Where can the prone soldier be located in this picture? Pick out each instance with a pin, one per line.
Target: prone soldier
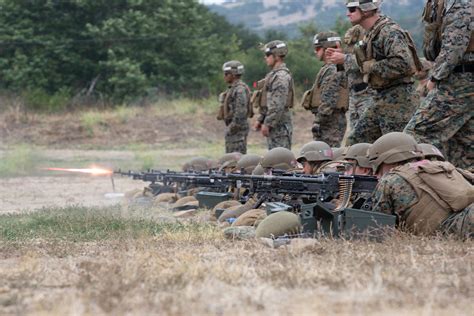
(427, 196)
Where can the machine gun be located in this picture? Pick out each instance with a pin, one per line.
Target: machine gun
(321, 201)
(324, 187)
(173, 181)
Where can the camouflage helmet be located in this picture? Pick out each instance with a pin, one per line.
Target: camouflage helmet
(354, 35)
(277, 47)
(258, 171)
(430, 151)
(279, 158)
(315, 151)
(391, 148)
(234, 67)
(229, 160)
(248, 163)
(326, 39)
(338, 152)
(364, 5)
(199, 164)
(358, 152)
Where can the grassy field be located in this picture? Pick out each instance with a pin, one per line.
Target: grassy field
(118, 261)
(82, 259)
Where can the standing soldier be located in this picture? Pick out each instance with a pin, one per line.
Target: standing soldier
(328, 99)
(360, 96)
(444, 119)
(276, 98)
(235, 108)
(387, 59)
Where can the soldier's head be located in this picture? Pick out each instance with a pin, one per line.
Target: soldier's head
(431, 152)
(324, 40)
(229, 161)
(275, 52)
(391, 150)
(357, 156)
(200, 164)
(359, 10)
(232, 70)
(247, 163)
(278, 158)
(313, 154)
(352, 36)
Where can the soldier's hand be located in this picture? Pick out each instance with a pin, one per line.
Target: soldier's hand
(430, 85)
(265, 130)
(257, 126)
(335, 56)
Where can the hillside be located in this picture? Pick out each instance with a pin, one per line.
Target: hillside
(286, 16)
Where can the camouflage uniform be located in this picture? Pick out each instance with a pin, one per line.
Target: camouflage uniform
(360, 95)
(394, 195)
(445, 118)
(388, 70)
(237, 126)
(276, 114)
(329, 121)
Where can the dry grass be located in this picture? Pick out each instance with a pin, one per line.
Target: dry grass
(194, 270)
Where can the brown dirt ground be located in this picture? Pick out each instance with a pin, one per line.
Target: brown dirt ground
(62, 134)
(144, 127)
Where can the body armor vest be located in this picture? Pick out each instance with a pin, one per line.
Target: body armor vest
(378, 82)
(440, 189)
(259, 97)
(312, 98)
(224, 100)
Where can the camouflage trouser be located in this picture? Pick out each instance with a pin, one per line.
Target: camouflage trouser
(444, 119)
(357, 105)
(391, 110)
(331, 129)
(460, 224)
(236, 142)
(280, 136)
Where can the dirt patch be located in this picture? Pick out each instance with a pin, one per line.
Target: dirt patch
(25, 194)
(145, 126)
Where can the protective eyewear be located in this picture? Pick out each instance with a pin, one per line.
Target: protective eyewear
(352, 9)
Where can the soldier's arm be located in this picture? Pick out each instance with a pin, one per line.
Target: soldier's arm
(350, 63)
(382, 200)
(330, 87)
(239, 107)
(455, 38)
(393, 195)
(276, 99)
(398, 58)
